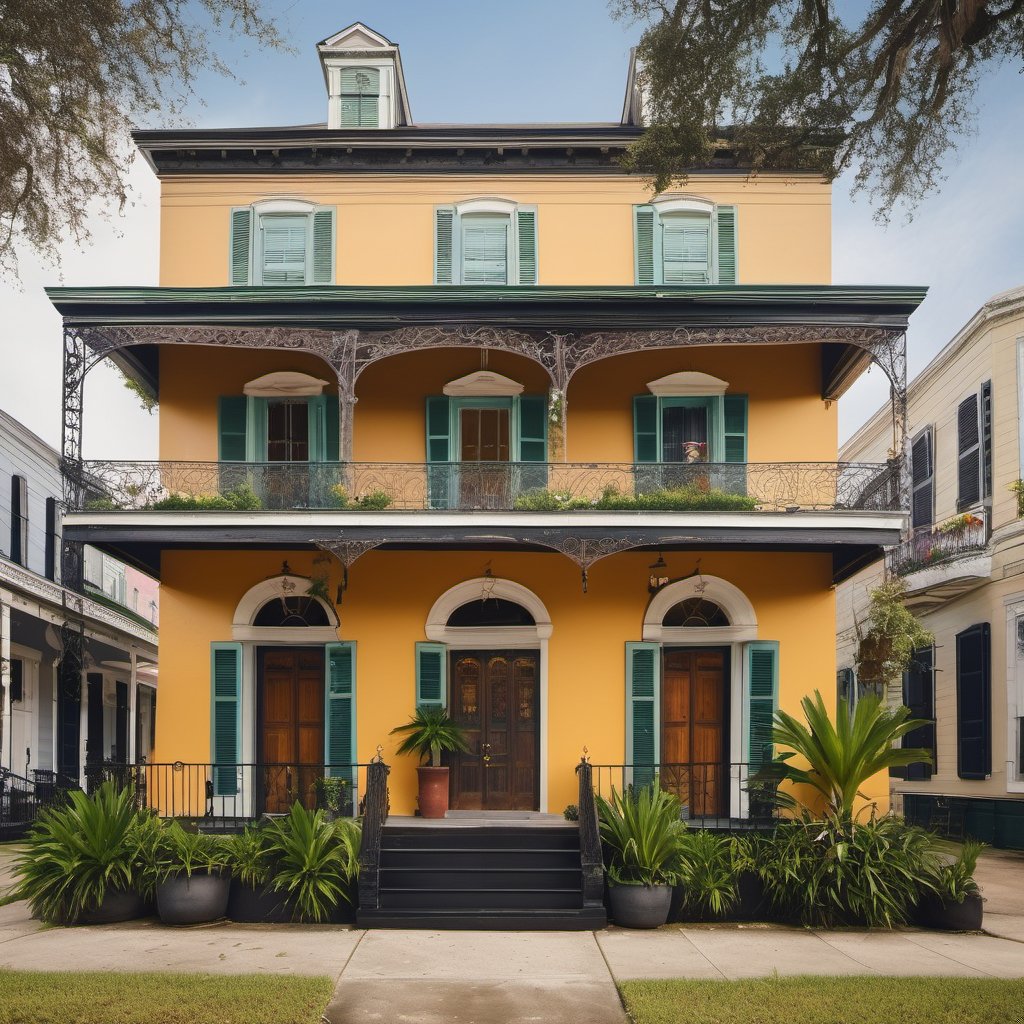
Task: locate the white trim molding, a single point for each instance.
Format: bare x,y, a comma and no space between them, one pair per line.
482,384
1014,694
256,597
284,384
269,207
486,204
666,205
687,383
736,605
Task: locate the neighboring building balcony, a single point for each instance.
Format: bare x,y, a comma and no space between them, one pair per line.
942,562
490,487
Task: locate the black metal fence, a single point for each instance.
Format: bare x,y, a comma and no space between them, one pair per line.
711,794
929,546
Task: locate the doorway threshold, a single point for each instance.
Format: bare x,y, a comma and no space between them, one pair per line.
478,819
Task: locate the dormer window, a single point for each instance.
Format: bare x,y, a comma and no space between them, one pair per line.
685,241
360,97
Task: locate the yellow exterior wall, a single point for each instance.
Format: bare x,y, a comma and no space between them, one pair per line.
788,421
385,224
386,606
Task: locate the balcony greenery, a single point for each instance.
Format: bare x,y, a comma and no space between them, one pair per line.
692,498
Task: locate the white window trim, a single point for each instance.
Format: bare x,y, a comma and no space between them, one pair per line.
387,111
262,215
1014,695
493,206
486,204
732,601
265,207
667,205
242,628
483,384
688,384
284,384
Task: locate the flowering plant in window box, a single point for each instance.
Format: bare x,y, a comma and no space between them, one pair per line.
960,524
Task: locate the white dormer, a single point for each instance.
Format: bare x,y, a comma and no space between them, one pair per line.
365,84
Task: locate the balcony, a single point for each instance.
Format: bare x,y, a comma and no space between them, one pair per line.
943,562
488,487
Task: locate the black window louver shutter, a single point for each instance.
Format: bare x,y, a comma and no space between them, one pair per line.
974,702
922,479
919,696
968,453
986,439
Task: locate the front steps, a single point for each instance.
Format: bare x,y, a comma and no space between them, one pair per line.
481,876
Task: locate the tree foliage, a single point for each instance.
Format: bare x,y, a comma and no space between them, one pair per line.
73,80
792,84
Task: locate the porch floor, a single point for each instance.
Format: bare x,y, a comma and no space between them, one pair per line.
480,819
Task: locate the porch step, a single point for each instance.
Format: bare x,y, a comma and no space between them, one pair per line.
475,875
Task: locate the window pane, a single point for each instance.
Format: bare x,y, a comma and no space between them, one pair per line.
284,250
287,432
686,248
485,250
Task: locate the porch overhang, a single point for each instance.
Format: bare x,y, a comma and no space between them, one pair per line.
853,539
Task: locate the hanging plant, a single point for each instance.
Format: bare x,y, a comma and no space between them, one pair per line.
887,640
320,579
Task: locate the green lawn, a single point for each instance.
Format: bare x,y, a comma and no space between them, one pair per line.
55,997
863,1000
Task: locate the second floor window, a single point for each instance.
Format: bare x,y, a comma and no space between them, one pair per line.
485,242
282,242
974,448
684,241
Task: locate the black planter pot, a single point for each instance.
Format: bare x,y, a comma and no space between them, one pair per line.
192,900
933,912
752,903
117,905
253,905
640,906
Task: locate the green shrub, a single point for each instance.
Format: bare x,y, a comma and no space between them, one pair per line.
176,851
370,502
642,832
246,856
101,505
77,852
691,498
238,499
706,874
954,882
837,872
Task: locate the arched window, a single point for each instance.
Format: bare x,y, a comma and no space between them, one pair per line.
360,95
292,612
695,612
495,611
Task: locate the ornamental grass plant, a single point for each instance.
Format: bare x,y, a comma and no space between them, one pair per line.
642,832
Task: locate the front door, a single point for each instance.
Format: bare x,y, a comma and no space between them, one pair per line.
291,725
484,452
693,730
495,697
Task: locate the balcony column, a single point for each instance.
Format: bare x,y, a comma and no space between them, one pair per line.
133,706
5,681
556,424
346,410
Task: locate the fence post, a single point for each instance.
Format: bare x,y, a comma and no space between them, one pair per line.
374,816
590,837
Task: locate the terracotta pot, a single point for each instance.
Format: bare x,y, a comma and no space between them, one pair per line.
639,906
433,791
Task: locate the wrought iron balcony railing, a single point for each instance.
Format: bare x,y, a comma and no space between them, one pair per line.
491,486
964,535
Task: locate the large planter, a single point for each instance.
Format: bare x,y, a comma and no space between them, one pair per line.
116,905
251,904
752,901
640,906
933,912
433,796
192,900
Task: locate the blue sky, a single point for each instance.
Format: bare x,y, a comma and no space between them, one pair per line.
523,61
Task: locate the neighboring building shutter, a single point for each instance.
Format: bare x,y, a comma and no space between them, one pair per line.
919,696
645,428
643,689
439,450
431,675
526,223
226,691
922,476
762,693
968,454
735,409
444,235
974,702
52,540
986,439
241,245
340,710
845,678
232,413
643,217
725,234
323,245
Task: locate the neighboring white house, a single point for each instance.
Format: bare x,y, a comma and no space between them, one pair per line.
963,566
110,717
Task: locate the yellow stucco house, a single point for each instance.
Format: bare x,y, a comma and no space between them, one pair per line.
493,428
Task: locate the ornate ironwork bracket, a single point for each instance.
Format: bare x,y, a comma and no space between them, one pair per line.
347,552
586,551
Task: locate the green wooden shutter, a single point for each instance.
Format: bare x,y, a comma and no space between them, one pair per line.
241,245
533,428
360,90
431,675
725,234
643,255
444,240
439,475
526,223
256,448
340,710
323,245
974,702
645,429
643,689
735,407
232,415
226,715
762,699
331,451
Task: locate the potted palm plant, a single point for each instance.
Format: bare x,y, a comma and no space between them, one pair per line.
642,834
431,733
249,863
953,900
189,873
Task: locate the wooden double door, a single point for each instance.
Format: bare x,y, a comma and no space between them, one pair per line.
694,730
290,716
495,697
